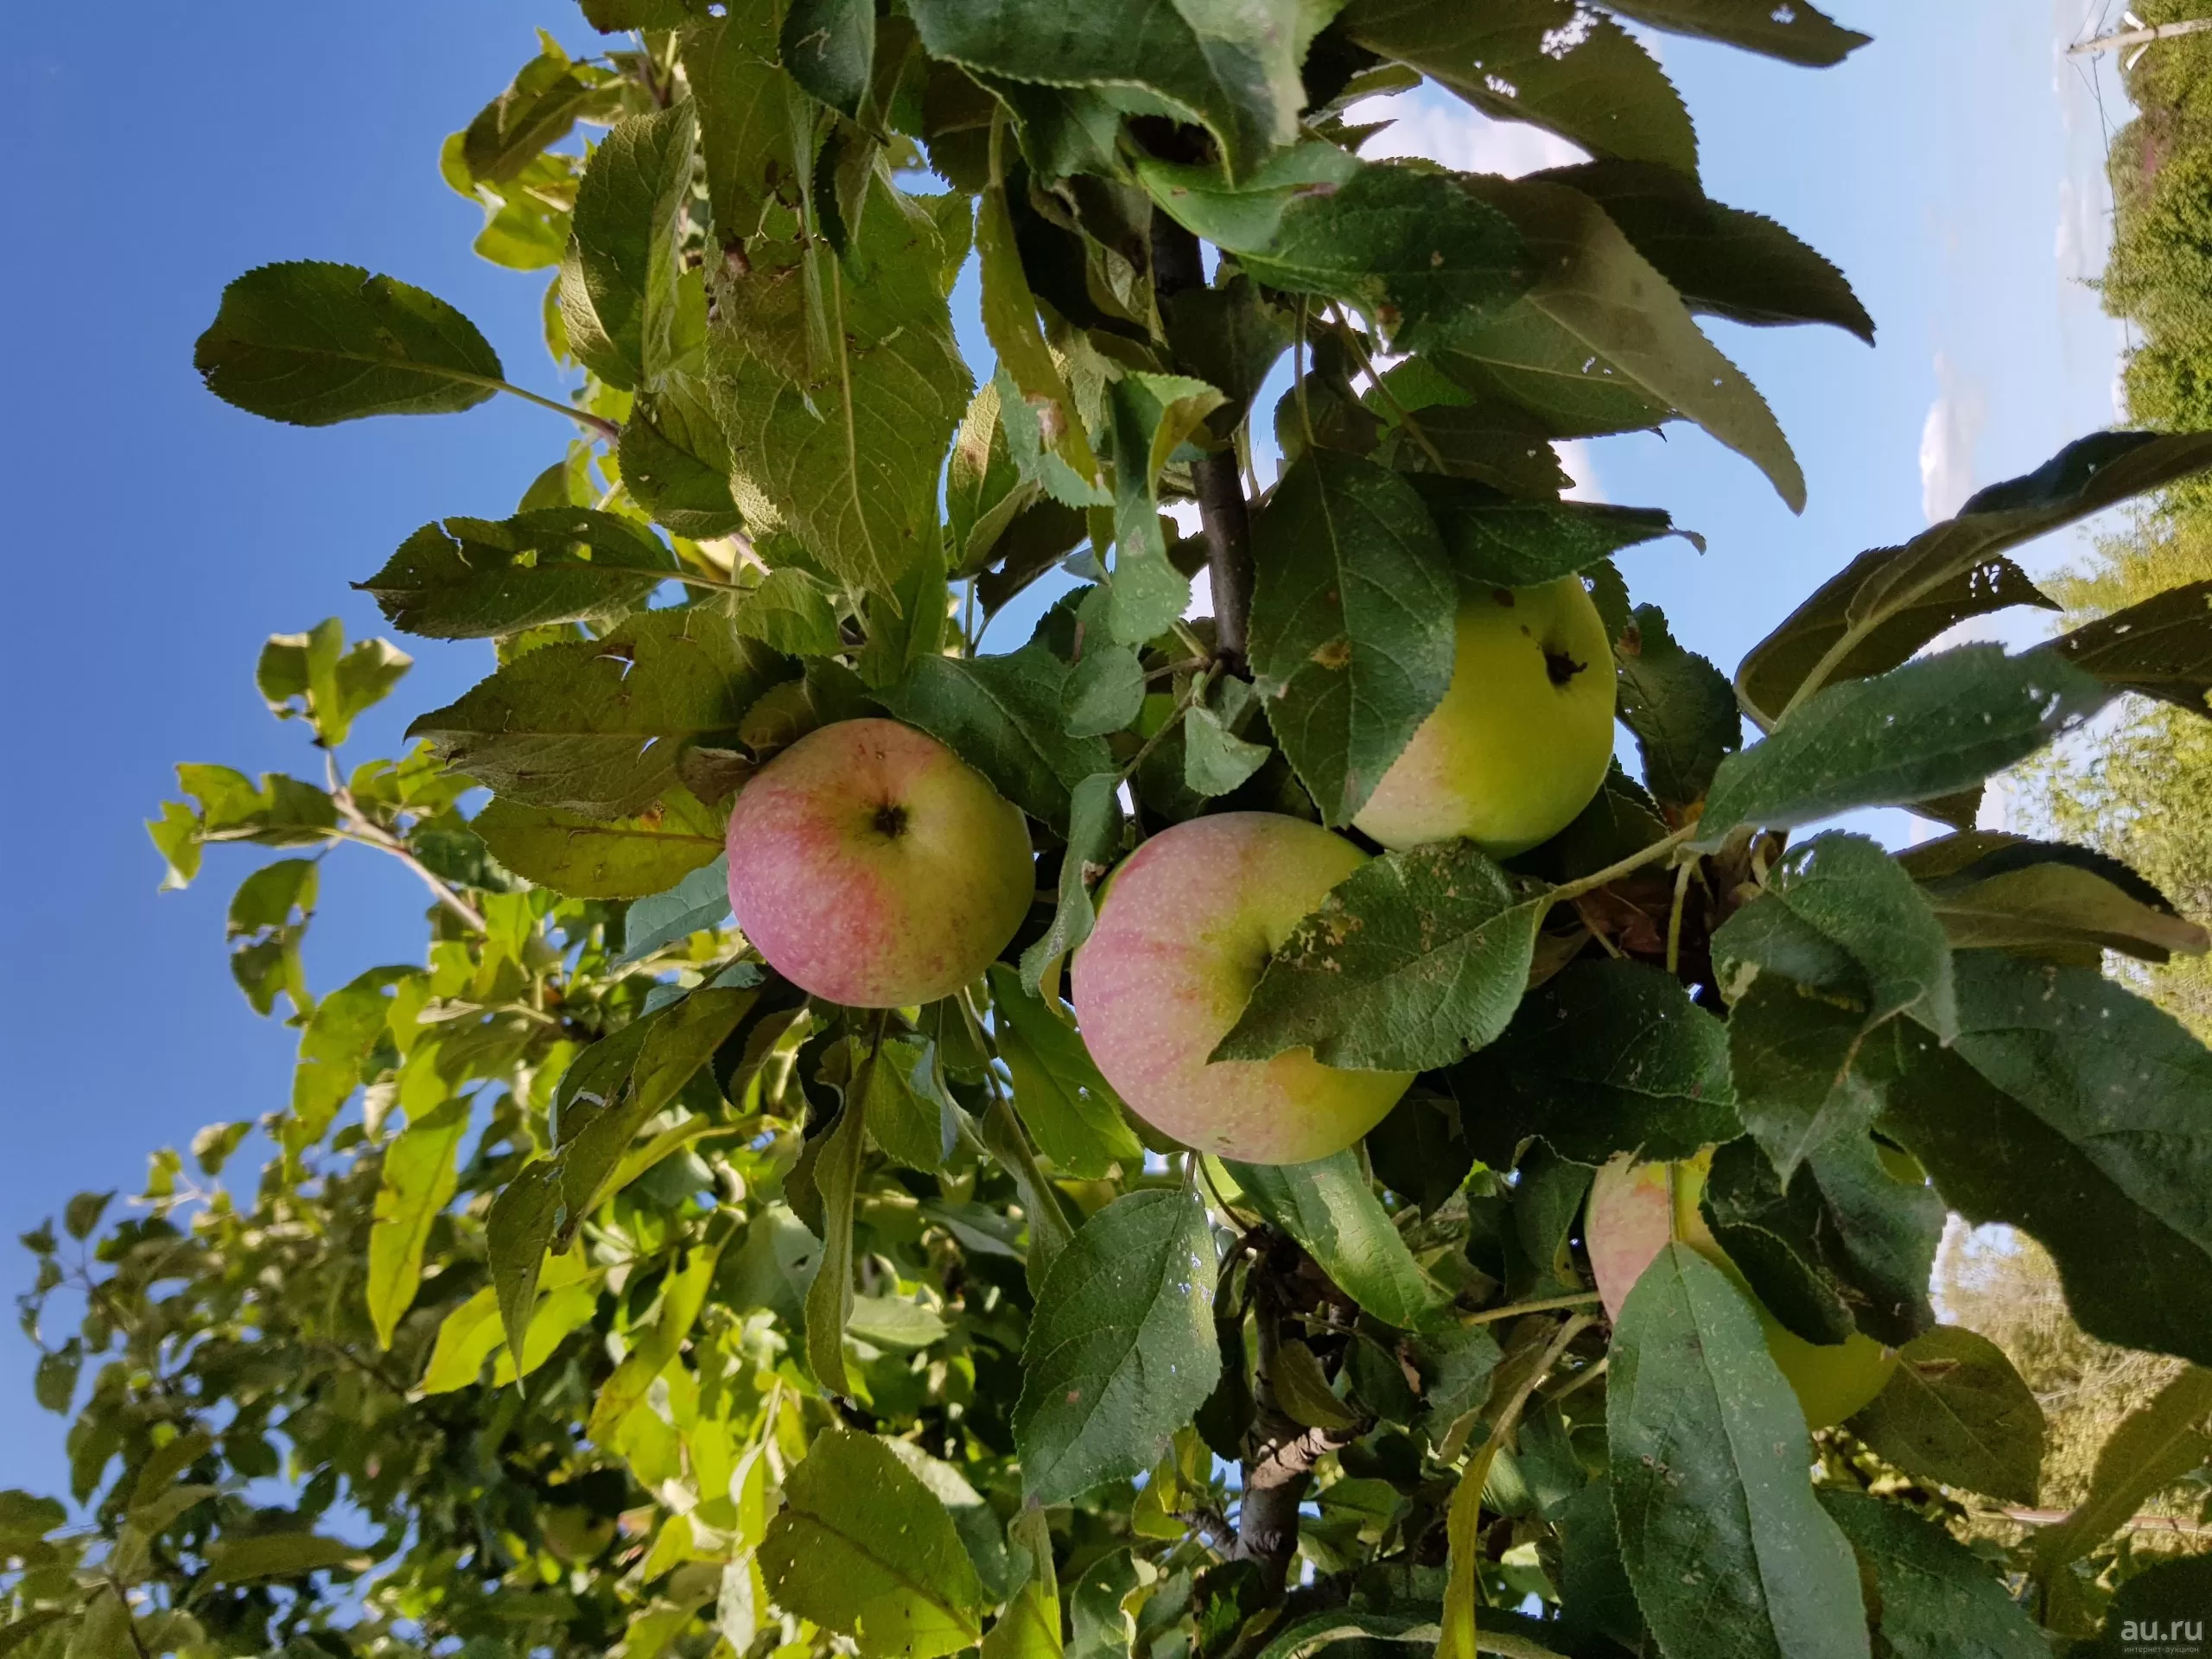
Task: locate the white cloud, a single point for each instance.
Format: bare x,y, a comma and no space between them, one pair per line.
1946,442
1445,130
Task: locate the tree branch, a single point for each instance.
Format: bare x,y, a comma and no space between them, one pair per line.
1177,267
1280,1453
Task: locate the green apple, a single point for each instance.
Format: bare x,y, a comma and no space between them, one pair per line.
870,865
1635,1209
1185,926
1523,736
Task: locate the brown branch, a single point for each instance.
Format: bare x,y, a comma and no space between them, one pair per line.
1177,267
1280,1453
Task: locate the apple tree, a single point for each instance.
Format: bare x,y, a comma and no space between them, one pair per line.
1220,1125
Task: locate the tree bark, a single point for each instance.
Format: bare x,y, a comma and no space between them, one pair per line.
1281,1455
1223,515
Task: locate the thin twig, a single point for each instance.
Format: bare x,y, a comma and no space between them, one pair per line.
367,833
1542,1304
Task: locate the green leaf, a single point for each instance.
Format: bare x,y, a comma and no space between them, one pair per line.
893,1323
312,343
829,49
1120,1348
2130,1277
1845,1245
241,1559
2161,648
599,858
1800,1056
1721,260
1888,603
1232,68
1497,541
312,675
1607,1056
2154,1446
1215,759
830,1299
1681,708
839,386
905,1118
1795,33
475,578
678,1040
675,462
1076,1117
544,102
906,622
1330,1209
1938,1599
521,1223
2004,892
1030,1627
1581,76
1317,1632
1032,391
1858,901
1925,729
744,105
1598,311
1001,714
2117,1076
1415,961
864,1548
700,902
1420,252
54,1384
792,613
684,1293
600,726
1149,417
618,280
420,1177
1105,691
1730,1557
1094,842
1955,1411
1351,626
25,1518
984,492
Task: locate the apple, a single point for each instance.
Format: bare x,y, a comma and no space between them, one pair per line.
1523,736
1185,926
870,865
1636,1208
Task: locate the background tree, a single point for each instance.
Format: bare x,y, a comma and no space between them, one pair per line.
606,1289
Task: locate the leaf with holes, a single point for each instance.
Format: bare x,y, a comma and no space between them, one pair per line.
1925,729
600,727
476,578
1415,960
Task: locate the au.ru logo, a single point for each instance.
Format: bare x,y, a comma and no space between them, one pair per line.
2162,1636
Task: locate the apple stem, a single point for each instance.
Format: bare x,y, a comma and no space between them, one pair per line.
1223,516
1635,861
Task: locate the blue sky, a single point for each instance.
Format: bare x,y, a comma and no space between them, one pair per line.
1953,168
